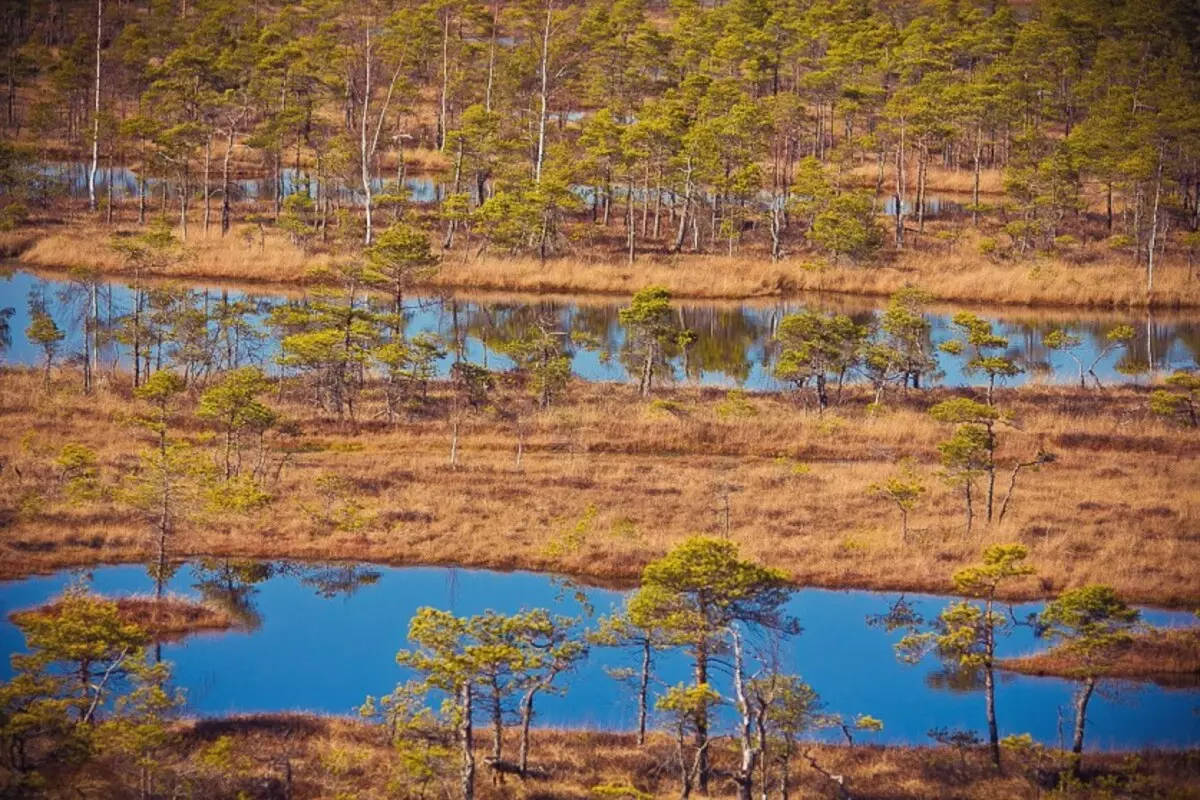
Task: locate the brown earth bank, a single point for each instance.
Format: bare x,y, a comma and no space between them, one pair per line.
301,756
603,482
165,618
949,271
1170,657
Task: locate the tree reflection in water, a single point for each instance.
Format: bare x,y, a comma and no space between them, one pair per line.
333,579
231,584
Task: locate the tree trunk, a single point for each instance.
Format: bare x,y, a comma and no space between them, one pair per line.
645,385
526,720
137,328
683,212
970,507
745,775
991,469
96,111
989,684
142,190
225,181
487,94
207,188
1081,703
443,100
366,166
1109,207
631,231
497,714
184,191
922,172
1154,225
108,189
975,187
466,743
900,190
543,68
643,692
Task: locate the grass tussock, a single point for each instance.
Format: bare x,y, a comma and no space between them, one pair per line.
166,618
1169,656
1117,507
952,271
303,756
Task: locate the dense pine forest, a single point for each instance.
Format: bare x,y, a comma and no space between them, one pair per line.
599,399
744,127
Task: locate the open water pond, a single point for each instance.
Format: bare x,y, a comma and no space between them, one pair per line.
322,637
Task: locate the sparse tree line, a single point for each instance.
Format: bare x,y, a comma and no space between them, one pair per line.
672,126
89,689
343,350
341,335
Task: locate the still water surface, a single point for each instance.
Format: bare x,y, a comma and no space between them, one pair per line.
322,637
734,345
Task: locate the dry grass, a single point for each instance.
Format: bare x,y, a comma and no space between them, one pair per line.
167,618
957,275
939,179
1168,656
238,256
1119,506
304,756
951,272
14,243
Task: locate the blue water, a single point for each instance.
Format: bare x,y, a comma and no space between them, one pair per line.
73,175
322,638
734,345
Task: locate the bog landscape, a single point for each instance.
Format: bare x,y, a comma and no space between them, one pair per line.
576,399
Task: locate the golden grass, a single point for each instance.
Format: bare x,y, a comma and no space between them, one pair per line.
167,618
1170,656
214,257
1119,506
957,276
950,272
305,756
939,179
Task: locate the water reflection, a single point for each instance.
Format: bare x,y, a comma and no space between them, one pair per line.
71,177
300,650
231,584
734,343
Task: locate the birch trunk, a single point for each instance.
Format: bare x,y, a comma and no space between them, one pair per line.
544,69
96,111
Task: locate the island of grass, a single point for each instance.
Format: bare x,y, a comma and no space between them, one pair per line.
1167,656
166,618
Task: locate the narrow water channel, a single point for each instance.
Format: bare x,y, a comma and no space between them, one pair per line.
734,341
